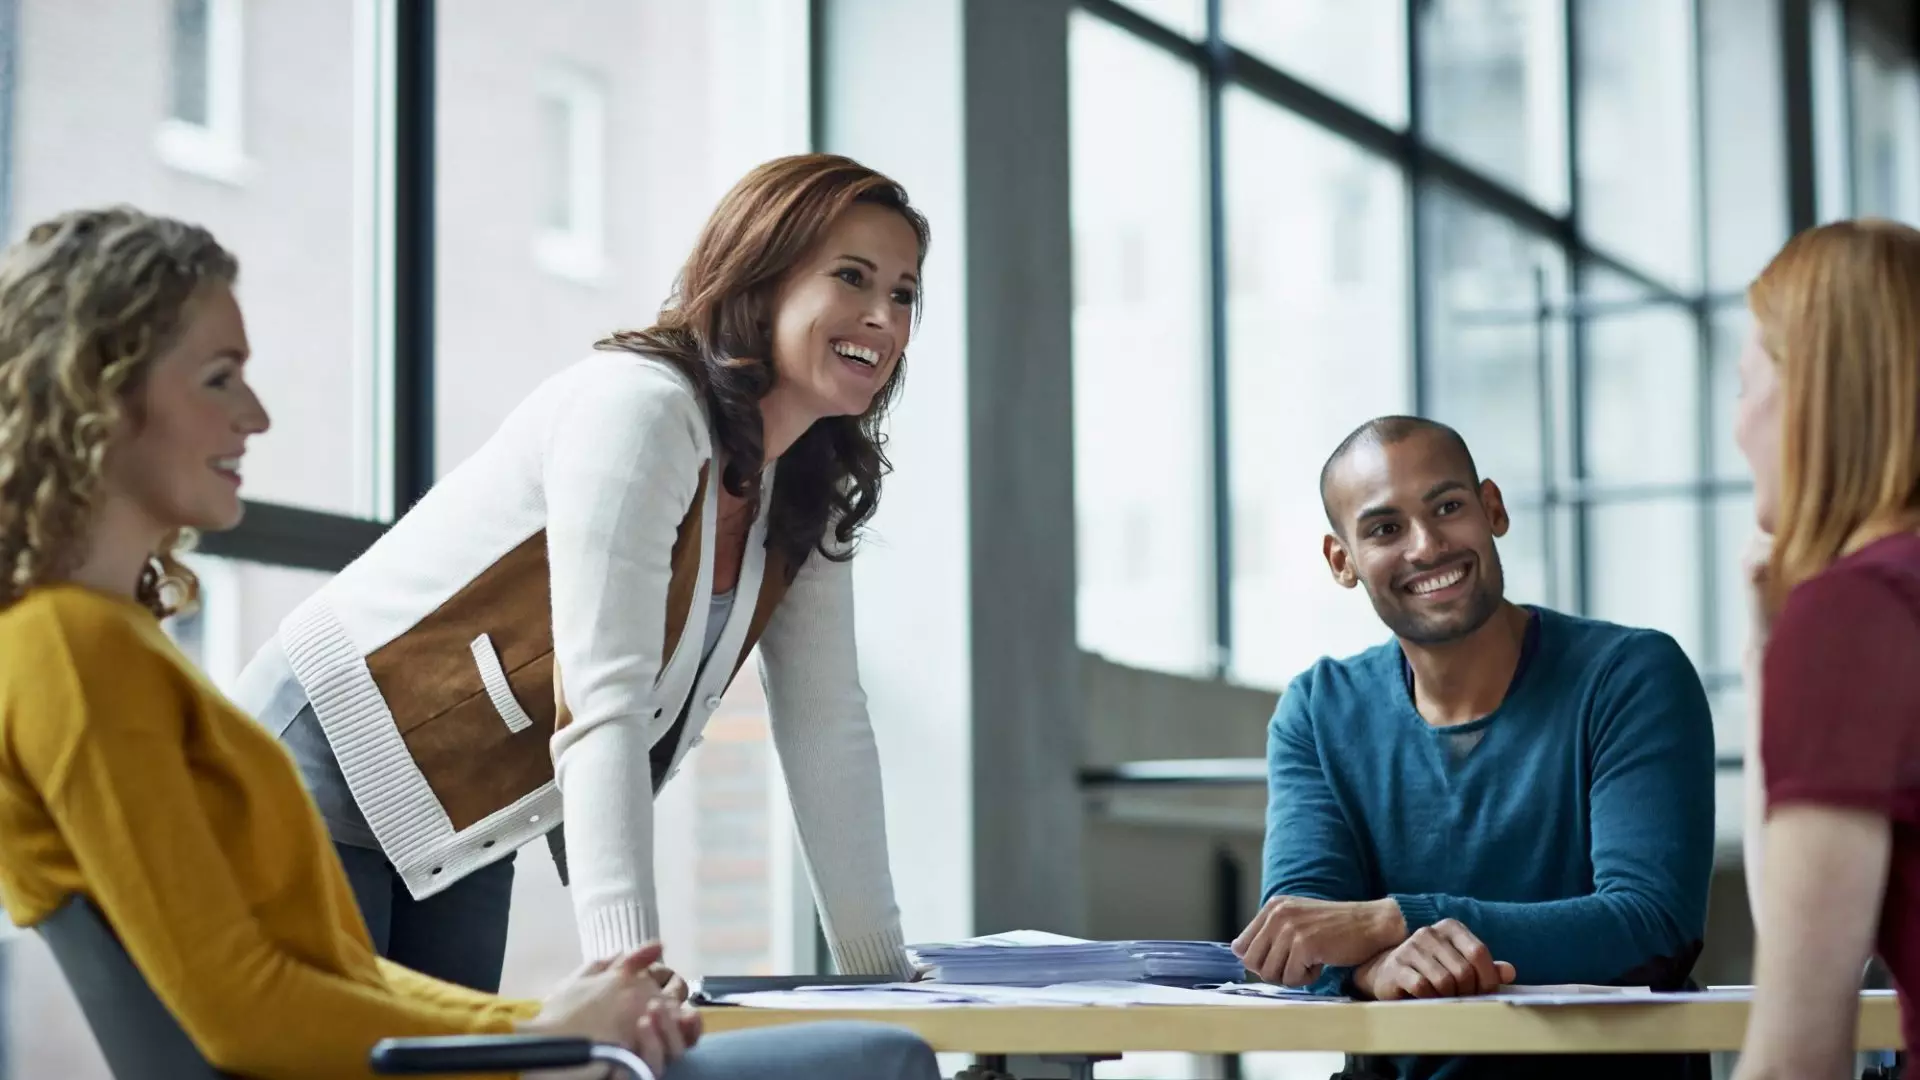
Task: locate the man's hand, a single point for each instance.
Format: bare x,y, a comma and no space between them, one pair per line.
1442,960
1293,938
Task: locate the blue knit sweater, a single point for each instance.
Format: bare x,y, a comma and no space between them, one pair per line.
1571,829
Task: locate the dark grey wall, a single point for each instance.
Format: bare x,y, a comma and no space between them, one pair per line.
967,100
1028,729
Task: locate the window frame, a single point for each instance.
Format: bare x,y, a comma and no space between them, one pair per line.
1811,181
214,148
577,250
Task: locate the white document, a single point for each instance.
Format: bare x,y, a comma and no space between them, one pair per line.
1131,993
884,996
1271,992
1644,996
923,995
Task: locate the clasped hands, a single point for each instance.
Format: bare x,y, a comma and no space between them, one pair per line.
632,1000
1293,939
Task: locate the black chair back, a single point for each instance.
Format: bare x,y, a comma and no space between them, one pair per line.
138,1036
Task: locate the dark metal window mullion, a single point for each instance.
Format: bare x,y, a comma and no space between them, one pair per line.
1707,506
414,239
1413,179
1577,340
1216,74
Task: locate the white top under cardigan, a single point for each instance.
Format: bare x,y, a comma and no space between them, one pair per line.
605,456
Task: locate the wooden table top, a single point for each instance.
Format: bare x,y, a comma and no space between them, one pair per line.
1455,1026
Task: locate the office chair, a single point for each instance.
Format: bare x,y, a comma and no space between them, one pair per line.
498,1053
142,1041
137,1035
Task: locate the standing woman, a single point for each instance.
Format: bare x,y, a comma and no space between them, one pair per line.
1829,420
547,632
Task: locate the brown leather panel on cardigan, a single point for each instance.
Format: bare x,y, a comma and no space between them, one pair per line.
685,576
430,669
474,764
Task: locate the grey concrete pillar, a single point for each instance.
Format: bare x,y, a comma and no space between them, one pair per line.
967,604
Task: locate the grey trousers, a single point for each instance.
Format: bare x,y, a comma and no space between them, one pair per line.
832,1050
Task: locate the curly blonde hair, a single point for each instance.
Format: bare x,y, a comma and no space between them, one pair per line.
88,300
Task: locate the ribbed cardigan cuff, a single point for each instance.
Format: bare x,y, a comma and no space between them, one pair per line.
615,929
881,953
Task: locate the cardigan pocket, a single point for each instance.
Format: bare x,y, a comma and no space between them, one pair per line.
494,678
475,763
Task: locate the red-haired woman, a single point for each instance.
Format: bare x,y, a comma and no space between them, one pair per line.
547,632
1829,419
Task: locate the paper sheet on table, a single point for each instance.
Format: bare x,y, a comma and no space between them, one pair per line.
1271,992
923,995
1584,995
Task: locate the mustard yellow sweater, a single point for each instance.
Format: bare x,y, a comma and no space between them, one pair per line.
126,777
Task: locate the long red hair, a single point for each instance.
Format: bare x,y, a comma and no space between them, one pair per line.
1839,310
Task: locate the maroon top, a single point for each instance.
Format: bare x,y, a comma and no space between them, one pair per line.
1840,721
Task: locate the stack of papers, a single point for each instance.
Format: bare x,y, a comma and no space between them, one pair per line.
936,995
1034,958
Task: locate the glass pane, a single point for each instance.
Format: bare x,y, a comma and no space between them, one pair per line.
1746,140
1636,126
1629,587
1493,89
1642,375
1188,17
1495,340
499,127
1886,121
42,1030
1140,353
1317,333
1354,49
1733,530
1729,703
1563,566
1524,555
1731,325
556,158
189,72
280,193
557,225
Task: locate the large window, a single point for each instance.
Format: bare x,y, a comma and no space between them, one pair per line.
1141,471
1884,99
1317,335
1496,357
1535,221
1492,92
431,215
92,131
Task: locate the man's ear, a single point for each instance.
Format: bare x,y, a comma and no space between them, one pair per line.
1496,507
1340,561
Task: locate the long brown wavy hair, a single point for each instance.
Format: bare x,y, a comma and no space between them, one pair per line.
1838,309
717,328
88,300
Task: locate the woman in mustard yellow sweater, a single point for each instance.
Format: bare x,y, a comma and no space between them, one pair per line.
125,777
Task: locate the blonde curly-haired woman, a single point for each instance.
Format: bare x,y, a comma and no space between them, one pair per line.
127,779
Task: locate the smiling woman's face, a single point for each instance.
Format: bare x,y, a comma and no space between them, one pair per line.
178,461
843,314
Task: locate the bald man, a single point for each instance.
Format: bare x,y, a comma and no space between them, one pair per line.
1499,794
